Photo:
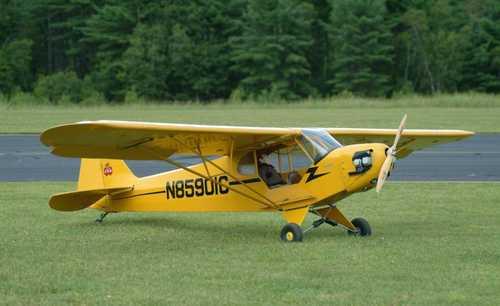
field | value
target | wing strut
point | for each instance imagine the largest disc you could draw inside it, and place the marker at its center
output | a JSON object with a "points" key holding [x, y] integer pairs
{"points": [[241, 182], [211, 179], [199, 155], [205, 161], [219, 183]]}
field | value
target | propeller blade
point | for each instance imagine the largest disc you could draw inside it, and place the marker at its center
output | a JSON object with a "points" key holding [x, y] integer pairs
{"points": [[391, 157], [384, 170], [398, 134]]}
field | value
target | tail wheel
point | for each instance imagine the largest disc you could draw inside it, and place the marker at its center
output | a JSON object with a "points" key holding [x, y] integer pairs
{"points": [[291, 233], [363, 227]]}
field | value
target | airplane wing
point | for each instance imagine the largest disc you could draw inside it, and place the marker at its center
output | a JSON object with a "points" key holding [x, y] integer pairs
{"points": [[155, 141], [411, 140]]}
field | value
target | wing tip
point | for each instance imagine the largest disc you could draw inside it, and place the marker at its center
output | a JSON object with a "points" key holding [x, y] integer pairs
{"points": [[465, 134], [48, 136]]}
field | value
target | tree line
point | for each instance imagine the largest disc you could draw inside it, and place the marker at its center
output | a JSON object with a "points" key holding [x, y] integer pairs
{"points": [[273, 49]]}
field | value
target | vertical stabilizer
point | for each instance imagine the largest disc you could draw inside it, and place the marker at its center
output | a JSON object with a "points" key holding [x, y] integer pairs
{"points": [[104, 173]]}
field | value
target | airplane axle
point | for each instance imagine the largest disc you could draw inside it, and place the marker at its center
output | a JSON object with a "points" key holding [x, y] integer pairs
{"points": [[101, 217]]}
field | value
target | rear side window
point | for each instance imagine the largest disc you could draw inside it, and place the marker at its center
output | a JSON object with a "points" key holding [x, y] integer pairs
{"points": [[246, 165]]}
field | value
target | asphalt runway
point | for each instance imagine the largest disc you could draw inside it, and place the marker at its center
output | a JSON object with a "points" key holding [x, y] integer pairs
{"points": [[24, 158]]}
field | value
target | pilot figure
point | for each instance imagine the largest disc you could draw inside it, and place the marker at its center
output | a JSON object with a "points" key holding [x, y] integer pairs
{"points": [[268, 173]]}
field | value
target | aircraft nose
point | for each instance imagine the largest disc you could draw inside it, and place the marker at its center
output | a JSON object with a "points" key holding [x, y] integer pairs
{"points": [[380, 154], [367, 160], [385, 148]]}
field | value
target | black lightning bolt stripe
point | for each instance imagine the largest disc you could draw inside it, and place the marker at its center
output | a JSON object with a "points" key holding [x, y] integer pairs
{"points": [[313, 175]]}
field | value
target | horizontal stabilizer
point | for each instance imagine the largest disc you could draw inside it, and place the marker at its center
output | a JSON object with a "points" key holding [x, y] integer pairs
{"points": [[76, 200]]}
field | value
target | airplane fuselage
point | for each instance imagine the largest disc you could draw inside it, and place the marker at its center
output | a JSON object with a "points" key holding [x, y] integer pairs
{"points": [[332, 178]]}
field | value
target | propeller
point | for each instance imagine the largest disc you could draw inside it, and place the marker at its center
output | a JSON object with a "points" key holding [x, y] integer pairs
{"points": [[391, 157]]}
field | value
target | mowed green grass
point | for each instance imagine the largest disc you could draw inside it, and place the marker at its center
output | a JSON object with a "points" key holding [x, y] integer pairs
{"points": [[478, 113], [432, 244]]}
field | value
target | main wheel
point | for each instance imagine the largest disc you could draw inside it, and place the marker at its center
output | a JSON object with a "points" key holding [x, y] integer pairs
{"points": [[291, 233], [363, 227]]}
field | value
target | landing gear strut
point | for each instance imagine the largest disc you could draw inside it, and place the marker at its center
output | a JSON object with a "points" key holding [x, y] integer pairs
{"points": [[332, 215], [101, 217], [318, 223]]}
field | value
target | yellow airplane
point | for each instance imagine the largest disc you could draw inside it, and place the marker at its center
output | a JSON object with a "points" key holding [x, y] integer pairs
{"points": [[294, 171]]}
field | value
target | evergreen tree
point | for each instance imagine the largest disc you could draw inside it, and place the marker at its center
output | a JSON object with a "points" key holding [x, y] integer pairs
{"points": [[159, 64], [287, 49], [67, 18], [202, 36], [481, 63], [271, 52], [319, 52], [15, 66], [433, 41], [15, 47], [186, 51], [145, 62], [109, 31], [362, 47]]}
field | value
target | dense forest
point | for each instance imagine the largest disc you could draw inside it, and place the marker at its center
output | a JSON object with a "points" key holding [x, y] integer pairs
{"points": [[274, 49]]}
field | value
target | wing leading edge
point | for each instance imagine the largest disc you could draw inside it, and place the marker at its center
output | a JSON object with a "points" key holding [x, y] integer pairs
{"points": [[411, 139]]}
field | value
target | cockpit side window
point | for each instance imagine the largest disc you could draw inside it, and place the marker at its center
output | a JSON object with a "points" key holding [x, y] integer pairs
{"points": [[282, 165], [273, 159], [299, 159], [283, 160], [246, 165], [279, 160]]}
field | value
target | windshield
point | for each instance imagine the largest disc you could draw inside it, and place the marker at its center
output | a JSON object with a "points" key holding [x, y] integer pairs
{"points": [[318, 143]]}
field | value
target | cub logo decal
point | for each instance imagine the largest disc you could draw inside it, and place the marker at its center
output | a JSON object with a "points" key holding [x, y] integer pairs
{"points": [[108, 170]]}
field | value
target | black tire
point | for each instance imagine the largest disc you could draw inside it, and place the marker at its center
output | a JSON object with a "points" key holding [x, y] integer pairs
{"points": [[363, 227], [291, 233]]}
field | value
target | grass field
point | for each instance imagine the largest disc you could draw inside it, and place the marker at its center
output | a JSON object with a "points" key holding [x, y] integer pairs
{"points": [[478, 113], [433, 244]]}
